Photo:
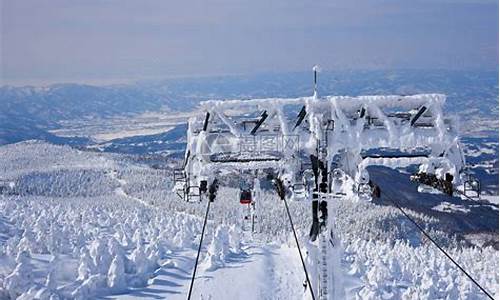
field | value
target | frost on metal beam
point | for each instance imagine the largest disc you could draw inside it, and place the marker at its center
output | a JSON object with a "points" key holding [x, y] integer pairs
{"points": [[300, 117], [228, 123], [399, 125], [362, 113], [188, 153], [259, 123], [205, 124], [418, 115]]}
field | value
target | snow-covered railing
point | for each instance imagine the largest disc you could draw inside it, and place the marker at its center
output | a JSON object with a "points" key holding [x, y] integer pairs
{"points": [[280, 132]]}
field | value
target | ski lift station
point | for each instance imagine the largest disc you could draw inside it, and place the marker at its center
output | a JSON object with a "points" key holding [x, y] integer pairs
{"points": [[316, 150]]}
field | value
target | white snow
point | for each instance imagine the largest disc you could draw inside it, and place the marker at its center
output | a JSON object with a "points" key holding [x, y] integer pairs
{"points": [[446, 207], [98, 226]]}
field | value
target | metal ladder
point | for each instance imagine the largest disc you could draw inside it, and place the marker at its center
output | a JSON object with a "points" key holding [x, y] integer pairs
{"points": [[323, 144], [193, 193], [323, 255], [323, 265], [180, 183]]}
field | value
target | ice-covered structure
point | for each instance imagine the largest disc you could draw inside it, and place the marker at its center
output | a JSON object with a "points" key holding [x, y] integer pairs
{"points": [[347, 133], [319, 148]]}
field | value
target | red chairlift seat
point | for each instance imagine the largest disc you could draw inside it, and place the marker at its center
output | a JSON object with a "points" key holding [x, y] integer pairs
{"points": [[246, 197]]}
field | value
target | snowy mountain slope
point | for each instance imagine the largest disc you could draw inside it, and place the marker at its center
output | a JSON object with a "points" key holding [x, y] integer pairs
{"points": [[172, 141], [124, 235], [481, 153], [29, 112], [453, 213], [148, 117]]}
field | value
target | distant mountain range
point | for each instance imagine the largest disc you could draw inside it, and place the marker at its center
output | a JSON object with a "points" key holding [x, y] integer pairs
{"points": [[29, 112]]}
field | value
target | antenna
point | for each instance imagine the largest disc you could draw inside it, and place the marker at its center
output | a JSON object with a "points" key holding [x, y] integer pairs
{"points": [[316, 69]]}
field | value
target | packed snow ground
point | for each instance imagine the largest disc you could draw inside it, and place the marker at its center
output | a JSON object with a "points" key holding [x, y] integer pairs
{"points": [[87, 225]]}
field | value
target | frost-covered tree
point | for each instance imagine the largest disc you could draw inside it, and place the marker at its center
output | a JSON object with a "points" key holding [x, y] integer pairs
{"points": [[138, 255], [141, 265], [21, 278], [184, 237], [218, 249], [152, 256], [158, 248], [86, 266], [53, 239], [51, 281], [89, 287], [79, 242], [94, 199], [138, 236], [27, 242], [116, 274], [235, 240], [100, 255]]}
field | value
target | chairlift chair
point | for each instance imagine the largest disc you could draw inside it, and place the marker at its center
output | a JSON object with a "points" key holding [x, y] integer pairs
{"points": [[299, 189], [364, 190], [471, 183], [193, 194], [180, 183], [245, 196], [300, 186]]}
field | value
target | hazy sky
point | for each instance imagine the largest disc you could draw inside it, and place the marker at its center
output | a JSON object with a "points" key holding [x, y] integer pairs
{"points": [[109, 41]]}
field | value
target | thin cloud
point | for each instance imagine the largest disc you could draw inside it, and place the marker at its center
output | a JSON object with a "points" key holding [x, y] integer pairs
{"points": [[108, 40]]}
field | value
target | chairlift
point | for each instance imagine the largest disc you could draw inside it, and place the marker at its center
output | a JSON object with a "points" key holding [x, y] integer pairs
{"points": [[245, 196], [299, 188], [364, 190], [473, 184], [298, 184], [193, 194]]}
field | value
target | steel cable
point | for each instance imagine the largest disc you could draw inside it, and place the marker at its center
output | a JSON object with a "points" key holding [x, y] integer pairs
{"points": [[439, 247]]}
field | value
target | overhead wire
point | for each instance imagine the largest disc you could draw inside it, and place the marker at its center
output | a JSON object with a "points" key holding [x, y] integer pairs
{"points": [[438, 246], [199, 250], [298, 247]]}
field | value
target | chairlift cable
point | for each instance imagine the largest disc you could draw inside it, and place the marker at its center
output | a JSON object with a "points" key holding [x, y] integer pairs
{"points": [[298, 247], [463, 194], [199, 250], [472, 199], [438, 246]]}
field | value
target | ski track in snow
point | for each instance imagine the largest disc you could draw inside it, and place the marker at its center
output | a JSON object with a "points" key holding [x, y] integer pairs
{"points": [[264, 272], [170, 281]]}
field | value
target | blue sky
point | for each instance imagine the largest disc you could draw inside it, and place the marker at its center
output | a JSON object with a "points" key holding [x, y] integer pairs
{"points": [[106, 41]]}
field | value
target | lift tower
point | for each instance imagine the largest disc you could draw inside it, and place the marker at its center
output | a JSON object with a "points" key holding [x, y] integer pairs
{"points": [[332, 139]]}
